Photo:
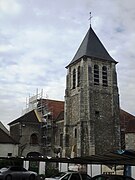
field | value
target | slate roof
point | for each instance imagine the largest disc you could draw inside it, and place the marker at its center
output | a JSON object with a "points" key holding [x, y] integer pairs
{"points": [[91, 46], [30, 117], [6, 138], [3, 128]]}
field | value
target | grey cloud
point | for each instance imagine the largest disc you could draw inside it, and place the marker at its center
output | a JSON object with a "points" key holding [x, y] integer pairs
{"points": [[41, 37]]}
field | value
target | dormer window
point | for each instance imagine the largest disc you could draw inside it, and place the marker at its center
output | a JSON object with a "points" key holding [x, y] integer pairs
{"points": [[74, 79], [96, 75], [104, 76]]}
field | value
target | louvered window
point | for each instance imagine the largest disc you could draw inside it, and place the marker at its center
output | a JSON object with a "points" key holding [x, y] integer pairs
{"points": [[104, 76], [78, 76], [96, 75], [74, 78]]}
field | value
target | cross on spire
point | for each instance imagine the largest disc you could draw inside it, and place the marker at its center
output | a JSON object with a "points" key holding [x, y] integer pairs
{"points": [[90, 19]]}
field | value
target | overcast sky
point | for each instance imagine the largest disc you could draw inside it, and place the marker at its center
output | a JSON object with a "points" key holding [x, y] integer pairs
{"points": [[38, 38]]}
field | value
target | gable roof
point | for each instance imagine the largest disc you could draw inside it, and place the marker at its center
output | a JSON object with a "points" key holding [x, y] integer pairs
{"points": [[91, 46], [125, 118], [3, 128], [6, 138], [53, 106], [30, 117]]}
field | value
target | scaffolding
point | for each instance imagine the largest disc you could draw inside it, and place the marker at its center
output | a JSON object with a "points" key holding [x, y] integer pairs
{"points": [[45, 112], [47, 126], [32, 102]]}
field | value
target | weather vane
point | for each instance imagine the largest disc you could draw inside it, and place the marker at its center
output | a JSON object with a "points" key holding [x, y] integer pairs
{"points": [[90, 19]]}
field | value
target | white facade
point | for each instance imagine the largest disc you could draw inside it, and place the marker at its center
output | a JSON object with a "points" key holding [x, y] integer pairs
{"points": [[8, 150]]}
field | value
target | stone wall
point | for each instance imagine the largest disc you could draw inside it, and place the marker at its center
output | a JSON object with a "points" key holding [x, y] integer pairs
{"points": [[92, 109]]}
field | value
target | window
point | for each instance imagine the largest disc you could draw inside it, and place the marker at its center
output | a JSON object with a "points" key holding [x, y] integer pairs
{"points": [[85, 176], [96, 75], [97, 113], [78, 76], [75, 133], [9, 154], [66, 177], [75, 176], [74, 78], [33, 139], [104, 76], [61, 140], [67, 140]]}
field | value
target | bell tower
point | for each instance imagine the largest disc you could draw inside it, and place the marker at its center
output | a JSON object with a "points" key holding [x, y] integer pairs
{"points": [[91, 123]]}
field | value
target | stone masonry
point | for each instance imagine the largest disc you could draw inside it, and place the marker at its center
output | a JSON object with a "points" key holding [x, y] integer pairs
{"points": [[92, 123]]}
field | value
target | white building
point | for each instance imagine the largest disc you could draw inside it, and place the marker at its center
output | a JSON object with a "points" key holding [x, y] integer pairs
{"points": [[8, 146]]}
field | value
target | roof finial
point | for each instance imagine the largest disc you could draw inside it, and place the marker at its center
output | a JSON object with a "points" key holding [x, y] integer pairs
{"points": [[90, 19]]}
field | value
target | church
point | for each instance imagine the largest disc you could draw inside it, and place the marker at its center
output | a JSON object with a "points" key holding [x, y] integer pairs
{"points": [[89, 122], [92, 124]]}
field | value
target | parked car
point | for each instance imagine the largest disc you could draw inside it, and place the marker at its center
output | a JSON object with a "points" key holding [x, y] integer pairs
{"points": [[111, 177], [70, 176], [17, 173]]}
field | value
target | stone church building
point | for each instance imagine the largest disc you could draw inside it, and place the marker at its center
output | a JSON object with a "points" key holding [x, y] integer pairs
{"points": [[92, 124], [90, 120]]}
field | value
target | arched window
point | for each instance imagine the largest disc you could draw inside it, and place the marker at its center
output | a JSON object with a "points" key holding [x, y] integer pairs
{"points": [[96, 75], [33, 139], [104, 76], [78, 76], [74, 78]]}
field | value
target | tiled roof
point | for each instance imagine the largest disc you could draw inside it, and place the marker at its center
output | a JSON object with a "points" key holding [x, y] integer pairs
{"points": [[130, 126], [54, 106], [6, 138], [127, 121], [28, 117], [91, 46], [60, 116], [125, 118]]}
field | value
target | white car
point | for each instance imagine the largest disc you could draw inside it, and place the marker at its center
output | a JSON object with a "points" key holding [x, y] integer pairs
{"points": [[70, 176]]}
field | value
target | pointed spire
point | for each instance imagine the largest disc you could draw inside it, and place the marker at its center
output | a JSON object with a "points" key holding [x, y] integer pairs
{"points": [[92, 47]]}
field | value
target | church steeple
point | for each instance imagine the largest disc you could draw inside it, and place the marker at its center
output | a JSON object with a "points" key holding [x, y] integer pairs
{"points": [[92, 47], [91, 120]]}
